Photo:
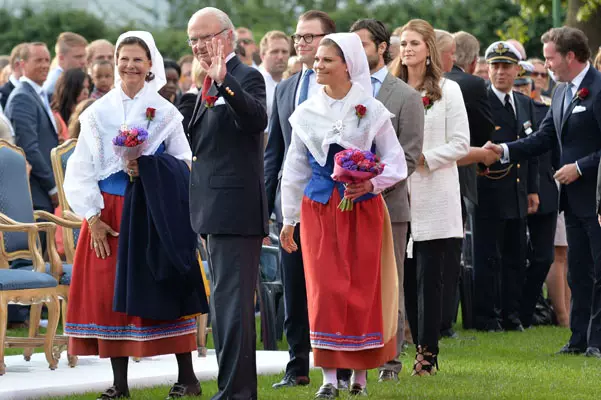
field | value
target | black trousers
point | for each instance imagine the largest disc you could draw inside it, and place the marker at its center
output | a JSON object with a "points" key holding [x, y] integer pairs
{"points": [[234, 265], [423, 289], [499, 264], [451, 272], [296, 320], [584, 278], [541, 253]]}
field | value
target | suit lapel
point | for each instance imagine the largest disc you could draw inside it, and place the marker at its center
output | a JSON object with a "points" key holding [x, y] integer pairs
{"points": [[586, 83], [557, 105], [199, 108], [386, 89], [41, 103], [518, 113], [292, 93]]}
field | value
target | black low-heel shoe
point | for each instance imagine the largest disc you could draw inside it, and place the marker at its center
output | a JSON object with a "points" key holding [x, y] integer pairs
{"points": [[113, 393], [180, 390], [357, 390], [327, 391]]}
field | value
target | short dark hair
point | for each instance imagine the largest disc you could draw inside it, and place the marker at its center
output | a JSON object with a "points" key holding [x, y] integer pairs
{"points": [[327, 23], [379, 34], [568, 39], [168, 63], [330, 43]]}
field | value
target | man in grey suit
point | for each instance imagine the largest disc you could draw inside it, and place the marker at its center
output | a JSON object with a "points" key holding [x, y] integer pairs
{"points": [[406, 105], [35, 127]]}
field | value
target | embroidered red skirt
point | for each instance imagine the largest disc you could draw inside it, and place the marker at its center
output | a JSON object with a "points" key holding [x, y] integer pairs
{"points": [[92, 325], [352, 284]]}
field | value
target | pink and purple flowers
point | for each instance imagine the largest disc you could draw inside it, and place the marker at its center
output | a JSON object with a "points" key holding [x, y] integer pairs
{"points": [[355, 166], [130, 143]]}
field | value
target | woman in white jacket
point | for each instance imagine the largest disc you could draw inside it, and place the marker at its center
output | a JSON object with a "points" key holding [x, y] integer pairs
{"points": [[436, 222]]}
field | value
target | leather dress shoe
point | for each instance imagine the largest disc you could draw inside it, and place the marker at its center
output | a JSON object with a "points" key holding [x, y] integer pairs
{"points": [[113, 393], [593, 352], [357, 390], [492, 326], [449, 334], [180, 390], [290, 381], [327, 391], [568, 349], [386, 375], [514, 328]]}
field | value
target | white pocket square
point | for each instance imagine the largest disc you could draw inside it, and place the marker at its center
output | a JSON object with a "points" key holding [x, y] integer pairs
{"points": [[220, 101], [578, 109]]}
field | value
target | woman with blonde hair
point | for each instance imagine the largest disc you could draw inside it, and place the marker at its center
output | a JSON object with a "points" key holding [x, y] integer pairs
{"points": [[436, 223]]}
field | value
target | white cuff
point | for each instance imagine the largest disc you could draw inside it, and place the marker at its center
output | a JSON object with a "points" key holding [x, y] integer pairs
{"points": [[53, 191], [92, 212], [291, 222], [505, 157], [578, 168]]}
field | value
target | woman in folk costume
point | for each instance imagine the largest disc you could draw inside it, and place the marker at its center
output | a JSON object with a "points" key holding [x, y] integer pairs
{"points": [[436, 224], [350, 269], [156, 296]]}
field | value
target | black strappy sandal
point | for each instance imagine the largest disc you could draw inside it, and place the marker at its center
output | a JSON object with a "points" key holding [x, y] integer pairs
{"points": [[113, 393], [425, 361]]}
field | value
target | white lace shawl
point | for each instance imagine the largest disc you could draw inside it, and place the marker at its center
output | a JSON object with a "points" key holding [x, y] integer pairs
{"points": [[94, 159], [315, 126]]}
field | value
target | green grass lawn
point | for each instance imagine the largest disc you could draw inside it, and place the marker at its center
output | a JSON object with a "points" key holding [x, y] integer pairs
{"points": [[477, 366]]}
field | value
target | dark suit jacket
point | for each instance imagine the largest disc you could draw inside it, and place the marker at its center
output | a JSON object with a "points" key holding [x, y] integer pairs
{"points": [[548, 192], [280, 135], [227, 190], [575, 138], [505, 195], [5, 91], [473, 89], [186, 106], [36, 135]]}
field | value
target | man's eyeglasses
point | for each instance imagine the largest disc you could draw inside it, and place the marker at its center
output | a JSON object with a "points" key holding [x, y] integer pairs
{"points": [[537, 74], [193, 41], [308, 37]]}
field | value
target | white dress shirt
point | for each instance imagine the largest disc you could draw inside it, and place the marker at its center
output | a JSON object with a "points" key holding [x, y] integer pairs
{"points": [[270, 85], [501, 96]]}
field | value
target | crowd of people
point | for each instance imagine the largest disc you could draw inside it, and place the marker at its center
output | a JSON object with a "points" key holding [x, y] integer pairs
{"points": [[242, 140]]}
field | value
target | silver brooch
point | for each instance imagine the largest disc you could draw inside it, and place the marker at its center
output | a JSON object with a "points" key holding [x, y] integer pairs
{"points": [[338, 127]]}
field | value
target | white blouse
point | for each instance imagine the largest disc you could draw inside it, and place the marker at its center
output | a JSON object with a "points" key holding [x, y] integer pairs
{"points": [[321, 121], [94, 159], [434, 190]]}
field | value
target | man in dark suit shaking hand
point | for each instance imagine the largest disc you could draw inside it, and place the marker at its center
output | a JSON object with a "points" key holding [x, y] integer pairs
{"points": [[227, 194], [572, 131]]}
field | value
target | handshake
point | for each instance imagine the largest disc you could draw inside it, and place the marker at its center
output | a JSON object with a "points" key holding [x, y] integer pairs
{"points": [[490, 153]]}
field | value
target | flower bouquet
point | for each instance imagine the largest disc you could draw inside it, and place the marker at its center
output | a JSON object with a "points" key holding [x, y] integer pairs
{"points": [[355, 166], [130, 143]]}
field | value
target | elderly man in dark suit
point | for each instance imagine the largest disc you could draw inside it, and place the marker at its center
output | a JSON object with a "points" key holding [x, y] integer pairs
{"points": [[16, 61], [311, 28], [572, 131], [473, 89], [406, 105], [34, 124], [227, 194]]}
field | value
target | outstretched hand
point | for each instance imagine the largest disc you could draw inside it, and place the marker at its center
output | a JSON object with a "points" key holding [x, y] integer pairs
{"points": [[217, 70], [494, 147]]}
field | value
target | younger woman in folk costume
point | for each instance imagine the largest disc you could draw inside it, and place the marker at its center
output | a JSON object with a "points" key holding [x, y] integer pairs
{"points": [[95, 186], [352, 286]]}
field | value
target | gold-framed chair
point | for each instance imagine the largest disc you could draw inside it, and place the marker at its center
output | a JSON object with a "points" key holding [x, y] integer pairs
{"points": [[33, 286], [59, 156]]}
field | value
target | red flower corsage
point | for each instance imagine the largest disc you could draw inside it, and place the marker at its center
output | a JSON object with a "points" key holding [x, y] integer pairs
{"points": [[210, 101], [360, 111], [582, 94], [427, 102], [150, 112]]}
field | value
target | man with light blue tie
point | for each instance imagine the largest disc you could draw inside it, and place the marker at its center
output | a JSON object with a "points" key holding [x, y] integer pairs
{"points": [[311, 28], [571, 130], [406, 105], [35, 127]]}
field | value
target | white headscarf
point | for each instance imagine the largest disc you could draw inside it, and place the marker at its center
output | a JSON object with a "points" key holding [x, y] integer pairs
{"points": [[354, 57], [101, 121], [158, 68]]}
